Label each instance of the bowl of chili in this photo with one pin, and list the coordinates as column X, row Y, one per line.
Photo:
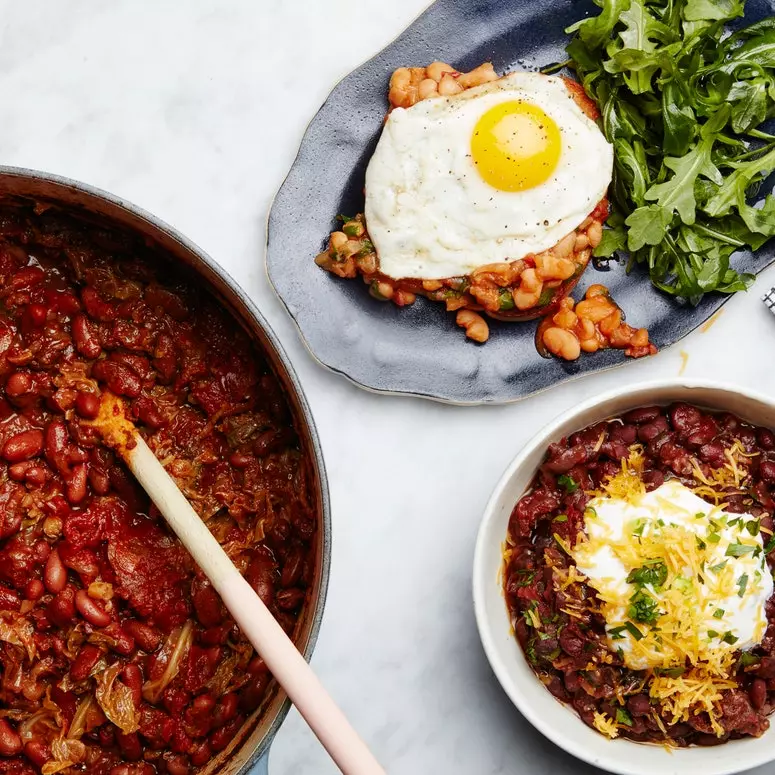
column 117, row 655
column 552, row 689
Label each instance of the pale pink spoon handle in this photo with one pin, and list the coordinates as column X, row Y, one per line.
column 269, row 639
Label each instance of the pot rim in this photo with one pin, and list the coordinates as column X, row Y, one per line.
column 278, row 354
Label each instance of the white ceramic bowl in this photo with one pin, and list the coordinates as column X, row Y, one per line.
column 555, row 720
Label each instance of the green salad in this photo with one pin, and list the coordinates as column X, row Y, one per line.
column 684, row 89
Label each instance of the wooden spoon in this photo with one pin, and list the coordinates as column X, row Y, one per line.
column 254, row 619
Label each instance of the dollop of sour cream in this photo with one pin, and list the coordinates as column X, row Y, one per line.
column 679, row 577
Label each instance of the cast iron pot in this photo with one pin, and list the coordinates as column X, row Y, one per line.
column 250, row 748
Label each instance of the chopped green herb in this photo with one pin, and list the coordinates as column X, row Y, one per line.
column 561, row 518
column 713, row 538
column 623, row 717
column 633, row 630
column 747, row 659
column 653, row 572
column 734, row 522
column 683, row 584
column 770, row 545
column 719, row 567
column 643, row 608
column 718, row 613
column 730, row 638
column 699, row 515
column 567, row 483
column 739, row 550
column 712, row 634
column 670, row 672
column 753, row 526
column 742, row 583
column 620, row 653
column 616, row 633
column 700, row 543
column 589, row 510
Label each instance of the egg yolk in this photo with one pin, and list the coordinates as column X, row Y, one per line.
column 515, row 146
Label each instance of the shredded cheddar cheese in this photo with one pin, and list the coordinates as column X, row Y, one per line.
column 682, row 586
column 607, row 726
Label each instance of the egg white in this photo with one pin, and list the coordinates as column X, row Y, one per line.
column 431, row 215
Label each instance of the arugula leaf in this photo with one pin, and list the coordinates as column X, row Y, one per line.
column 678, row 119
column 614, row 240
column 677, row 194
column 682, row 103
column 713, row 10
column 728, row 194
column 596, row 30
column 751, row 103
column 648, row 226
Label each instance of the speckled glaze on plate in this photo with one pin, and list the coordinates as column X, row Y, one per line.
column 418, row 350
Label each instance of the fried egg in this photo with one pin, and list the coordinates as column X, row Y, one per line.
column 492, row 174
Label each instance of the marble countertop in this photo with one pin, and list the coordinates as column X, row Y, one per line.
column 194, row 110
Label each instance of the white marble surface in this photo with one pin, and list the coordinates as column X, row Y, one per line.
column 193, row 110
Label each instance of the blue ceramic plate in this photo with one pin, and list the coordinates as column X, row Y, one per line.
column 418, row 350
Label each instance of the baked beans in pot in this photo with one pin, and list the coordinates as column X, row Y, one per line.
column 117, row 655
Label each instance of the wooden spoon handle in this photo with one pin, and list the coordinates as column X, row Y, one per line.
column 254, row 619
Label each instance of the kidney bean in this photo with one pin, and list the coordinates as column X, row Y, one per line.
column 23, row 446
column 653, row 479
column 147, row 412
column 96, row 307
column 290, row 599
column 10, row 523
column 119, row 378
column 84, row 661
column 252, row 693
column 765, row 438
column 91, row 610
column 27, row 277
column 87, row 405
column 99, row 481
column 200, row 753
column 34, row 589
column 18, row 471
column 18, row 384
column 76, row 486
column 649, row 431
column 757, row 692
column 140, row 768
column 639, row 705
column 10, row 742
column 132, row 677
column 130, row 746
column 55, row 573
column 704, row 433
column 36, row 475
column 642, row 415
column 226, row 709
column 85, row 338
column 684, row 418
column 55, row 446
column 37, row 752
column 61, row 610
column 567, row 459
column 208, row 606
column 260, row 574
column 223, row 736
column 37, row 314
column 767, row 471
column 177, row 764
column 145, row 636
